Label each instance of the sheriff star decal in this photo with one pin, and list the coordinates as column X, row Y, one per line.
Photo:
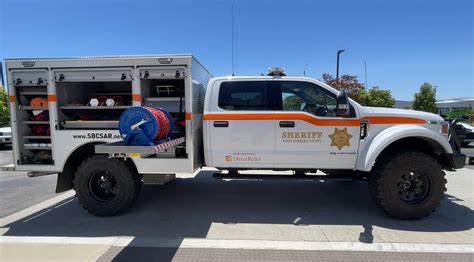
column 340, row 138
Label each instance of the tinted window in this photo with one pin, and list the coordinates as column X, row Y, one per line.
column 304, row 96
column 244, row 95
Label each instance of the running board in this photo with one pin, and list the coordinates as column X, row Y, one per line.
column 283, row 177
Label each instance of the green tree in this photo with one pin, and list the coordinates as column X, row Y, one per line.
column 425, row 100
column 4, row 111
column 470, row 113
column 292, row 102
column 349, row 83
column 377, row 97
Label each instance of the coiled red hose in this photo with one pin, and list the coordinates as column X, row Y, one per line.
column 164, row 126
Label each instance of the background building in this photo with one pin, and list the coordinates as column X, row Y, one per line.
column 455, row 105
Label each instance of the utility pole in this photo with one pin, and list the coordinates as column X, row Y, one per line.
column 304, row 72
column 365, row 70
column 1, row 74
column 366, row 86
column 337, row 63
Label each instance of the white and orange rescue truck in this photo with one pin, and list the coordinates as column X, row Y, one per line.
column 109, row 124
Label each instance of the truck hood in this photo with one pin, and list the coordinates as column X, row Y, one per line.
column 381, row 111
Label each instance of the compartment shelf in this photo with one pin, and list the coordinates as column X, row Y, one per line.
column 110, row 94
column 35, row 122
column 34, row 93
column 163, row 99
column 107, row 124
column 37, row 137
column 32, row 108
column 93, row 107
column 37, row 147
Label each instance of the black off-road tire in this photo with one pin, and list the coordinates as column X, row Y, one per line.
column 127, row 190
column 138, row 186
column 385, row 188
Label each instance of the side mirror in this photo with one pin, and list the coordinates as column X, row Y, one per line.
column 343, row 107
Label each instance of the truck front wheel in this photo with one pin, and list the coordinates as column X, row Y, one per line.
column 105, row 186
column 407, row 185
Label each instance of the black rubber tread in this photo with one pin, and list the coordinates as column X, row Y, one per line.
column 138, row 185
column 127, row 179
column 382, row 190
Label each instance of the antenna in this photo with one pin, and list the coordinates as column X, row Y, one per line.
column 232, row 30
column 236, row 54
column 365, row 70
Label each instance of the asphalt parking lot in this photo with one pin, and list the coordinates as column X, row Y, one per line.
column 201, row 218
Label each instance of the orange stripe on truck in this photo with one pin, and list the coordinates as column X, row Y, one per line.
column 52, row 98
column 188, row 116
column 381, row 120
column 317, row 121
column 136, row 98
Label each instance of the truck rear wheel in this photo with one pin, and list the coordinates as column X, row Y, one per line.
column 106, row 186
column 409, row 185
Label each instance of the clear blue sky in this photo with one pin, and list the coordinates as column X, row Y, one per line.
column 404, row 42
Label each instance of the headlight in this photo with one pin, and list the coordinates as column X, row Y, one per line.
column 444, row 128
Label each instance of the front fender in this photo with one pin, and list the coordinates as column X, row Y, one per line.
column 372, row 150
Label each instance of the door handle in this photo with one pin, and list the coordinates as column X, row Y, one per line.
column 221, row 124
column 287, row 124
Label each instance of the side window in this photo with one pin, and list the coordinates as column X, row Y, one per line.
column 307, row 97
column 243, row 95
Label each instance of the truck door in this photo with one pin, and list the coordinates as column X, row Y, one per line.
column 309, row 134
column 242, row 129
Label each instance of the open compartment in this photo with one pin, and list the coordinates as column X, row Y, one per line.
column 165, row 88
column 92, row 104
column 32, row 114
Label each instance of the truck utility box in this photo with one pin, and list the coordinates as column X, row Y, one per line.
column 62, row 107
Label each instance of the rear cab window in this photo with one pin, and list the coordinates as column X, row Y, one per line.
column 242, row 95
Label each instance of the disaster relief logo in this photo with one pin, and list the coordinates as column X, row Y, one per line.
column 301, row 137
column 340, row 138
column 243, row 157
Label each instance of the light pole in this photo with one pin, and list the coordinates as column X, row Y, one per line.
column 304, row 72
column 337, row 63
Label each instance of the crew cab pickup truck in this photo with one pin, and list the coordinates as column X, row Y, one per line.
column 272, row 122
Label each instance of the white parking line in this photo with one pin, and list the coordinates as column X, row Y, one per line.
column 35, row 208
column 241, row 244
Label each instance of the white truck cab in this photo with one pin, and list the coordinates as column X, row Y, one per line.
column 294, row 122
column 67, row 118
